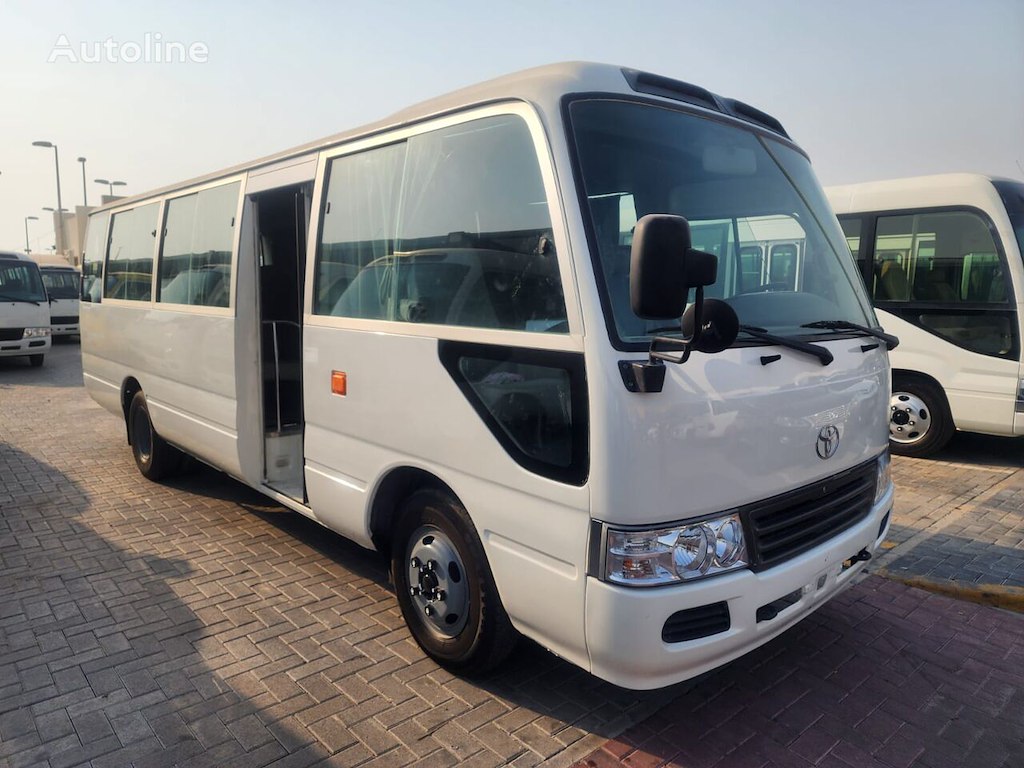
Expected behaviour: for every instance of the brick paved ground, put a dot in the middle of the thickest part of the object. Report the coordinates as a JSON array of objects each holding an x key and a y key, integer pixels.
[{"x": 196, "y": 623}]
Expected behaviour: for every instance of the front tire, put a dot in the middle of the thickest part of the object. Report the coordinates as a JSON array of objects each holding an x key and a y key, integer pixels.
[
  {"x": 35, "y": 360},
  {"x": 445, "y": 588},
  {"x": 920, "y": 423},
  {"x": 154, "y": 457}
]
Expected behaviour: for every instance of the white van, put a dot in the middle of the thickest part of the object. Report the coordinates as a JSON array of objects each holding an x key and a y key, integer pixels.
[
  {"x": 62, "y": 286},
  {"x": 24, "y": 309}
]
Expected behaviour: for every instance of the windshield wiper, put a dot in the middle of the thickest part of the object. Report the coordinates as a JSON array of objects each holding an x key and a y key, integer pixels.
[
  {"x": 784, "y": 341},
  {"x": 844, "y": 325},
  {"x": 5, "y": 297}
]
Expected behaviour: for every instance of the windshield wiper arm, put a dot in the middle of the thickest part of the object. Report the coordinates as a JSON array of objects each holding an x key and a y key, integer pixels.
[
  {"x": 891, "y": 341},
  {"x": 5, "y": 297},
  {"x": 795, "y": 344}
]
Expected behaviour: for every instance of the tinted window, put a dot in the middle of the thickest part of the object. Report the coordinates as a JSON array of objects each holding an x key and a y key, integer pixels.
[
  {"x": 358, "y": 230},
  {"x": 947, "y": 257},
  {"x": 92, "y": 259},
  {"x": 20, "y": 281},
  {"x": 470, "y": 244},
  {"x": 195, "y": 261},
  {"x": 61, "y": 283},
  {"x": 130, "y": 259}
]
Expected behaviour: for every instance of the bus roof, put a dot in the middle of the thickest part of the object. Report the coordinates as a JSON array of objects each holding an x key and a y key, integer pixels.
[
  {"x": 914, "y": 192},
  {"x": 543, "y": 85}
]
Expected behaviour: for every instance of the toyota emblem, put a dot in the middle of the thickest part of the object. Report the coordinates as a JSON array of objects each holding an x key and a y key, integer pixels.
[{"x": 828, "y": 442}]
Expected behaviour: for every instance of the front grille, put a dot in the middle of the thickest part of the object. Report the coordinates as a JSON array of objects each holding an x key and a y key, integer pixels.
[
  {"x": 694, "y": 623},
  {"x": 64, "y": 320},
  {"x": 787, "y": 525},
  {"x": 11, "y": 334}
]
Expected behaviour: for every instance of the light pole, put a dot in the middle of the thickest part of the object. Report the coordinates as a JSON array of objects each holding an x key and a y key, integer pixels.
[
  {"x": 60, "y": 204},
  {"x": 110, "y": 184},
  {"x": 85, "y": 193},
  {"x": 28, "y": 248}
]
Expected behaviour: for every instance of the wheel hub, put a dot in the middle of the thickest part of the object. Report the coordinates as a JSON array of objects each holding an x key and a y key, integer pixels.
[
  {"x": 437, "y": 582},
  {"x": 909, "y": 418}
]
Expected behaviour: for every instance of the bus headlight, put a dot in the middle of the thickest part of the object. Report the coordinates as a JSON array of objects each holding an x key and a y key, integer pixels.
[
  {"x": 884, "y": 476},
  {"x": 31, "y": 333},
  {"x": 650, "y": 558}
]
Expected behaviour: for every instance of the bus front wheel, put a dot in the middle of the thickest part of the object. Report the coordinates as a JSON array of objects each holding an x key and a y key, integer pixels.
[
  {"x": 445, "y": 588},
  {"x": 920, "y": 423},
  {"x": 35, "y": 360},
  {"x": 154, "y": 457}
]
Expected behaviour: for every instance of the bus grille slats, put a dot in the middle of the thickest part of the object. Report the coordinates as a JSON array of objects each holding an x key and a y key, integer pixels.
[
  {"x": 788, "y": 525},
  {"x": 11, "y": 334},
  {"x": 64, "y": 320}
]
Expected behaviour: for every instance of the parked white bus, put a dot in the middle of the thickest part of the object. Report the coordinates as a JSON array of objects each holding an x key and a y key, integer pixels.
[
  {"x": 62, "y": 287},
  {"x": 24, "y": 310},
  {"x": 941, "y": 256},
  {"x": 441, "y": 337}
]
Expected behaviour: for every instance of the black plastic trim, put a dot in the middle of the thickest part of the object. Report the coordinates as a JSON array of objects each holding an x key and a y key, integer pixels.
[
  {"x": 695, "y": 623},
  {"x": 578, "y": 470}
]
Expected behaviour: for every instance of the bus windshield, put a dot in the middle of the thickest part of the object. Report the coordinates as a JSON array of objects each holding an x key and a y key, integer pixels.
[
  {"x": 752, "y": 201},
  {"x": 19, "y": 281},
  {"x": 61, "y": 283}
]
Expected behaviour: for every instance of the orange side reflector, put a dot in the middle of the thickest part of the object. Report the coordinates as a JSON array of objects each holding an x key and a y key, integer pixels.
[{"x": 339, "y": 383}]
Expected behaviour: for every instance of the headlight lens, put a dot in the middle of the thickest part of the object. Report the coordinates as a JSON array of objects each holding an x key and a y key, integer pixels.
[
  {"x": 34, "y": 332},
  {"x": 884, "y": 476},
  {"x": 671, "y": 555}
]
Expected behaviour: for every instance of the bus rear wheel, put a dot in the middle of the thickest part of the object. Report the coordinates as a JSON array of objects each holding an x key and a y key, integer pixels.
[
  {"x": 920, "y": 423},
  {"x": 445, "y": 588},
  {"x": 154, "y": 457}
]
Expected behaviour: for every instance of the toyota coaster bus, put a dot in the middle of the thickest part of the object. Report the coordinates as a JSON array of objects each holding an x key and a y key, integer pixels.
[
  {"x": 507, "y": 339},
  {"x": 941, "y": 257},
  {"x": 24, "y": 309}
]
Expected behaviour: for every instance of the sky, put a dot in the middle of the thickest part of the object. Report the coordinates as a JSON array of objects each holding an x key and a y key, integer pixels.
[{"x": 870, "y": 89}]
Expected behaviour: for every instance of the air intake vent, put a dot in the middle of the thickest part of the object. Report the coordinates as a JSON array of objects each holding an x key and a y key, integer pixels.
[
  {"x": 695, "y": 623},
  {"x": 666, "y": 87},
  {"x": 790, "y": 524}
]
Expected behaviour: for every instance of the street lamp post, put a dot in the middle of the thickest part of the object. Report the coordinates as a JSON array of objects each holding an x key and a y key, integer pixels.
[
  {"x": 60, "y": 204},
  {"x": 110, "y": 184},
  {"x": 85, "y": 193},
  {"x": 28, "y": 247}
]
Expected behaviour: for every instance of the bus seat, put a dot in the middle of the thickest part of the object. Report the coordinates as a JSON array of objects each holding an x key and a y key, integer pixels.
[{"x": 892, "y": 282}]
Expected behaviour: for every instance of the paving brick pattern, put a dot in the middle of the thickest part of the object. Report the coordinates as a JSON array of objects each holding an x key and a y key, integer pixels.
[
  {"x": 198, "y": 624},
  {"x": 959, "y": 517},
  {"x": 884, "y": 676}
]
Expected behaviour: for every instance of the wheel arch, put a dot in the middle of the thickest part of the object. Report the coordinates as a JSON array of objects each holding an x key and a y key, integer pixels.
[
  {"x": 394, "y": 488},
  {"x": 129, "y": 388},
  {"x": 906, "y": 373}
]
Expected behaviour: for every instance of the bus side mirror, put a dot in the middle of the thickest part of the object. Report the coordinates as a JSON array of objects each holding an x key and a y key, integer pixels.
[{"x": 663, "y": 267}]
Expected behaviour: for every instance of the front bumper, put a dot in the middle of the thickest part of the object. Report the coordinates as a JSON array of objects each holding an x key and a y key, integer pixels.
[
  {"x": 624, "y": 625},
  {"x": 32, "y": 346}
]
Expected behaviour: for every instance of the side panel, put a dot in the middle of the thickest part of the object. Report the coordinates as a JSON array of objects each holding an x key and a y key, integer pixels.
[
  {"x": 185, "y": 364},
  {"x": 981, "y": 390},
  {"x": 403, "y": 409}
]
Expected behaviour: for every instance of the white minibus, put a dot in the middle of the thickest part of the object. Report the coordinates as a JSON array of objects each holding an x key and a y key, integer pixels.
[
  {"x": 62, "y": 286},
  {"x": 507, "y": 338},
  {"x": 941, "y": 257},
  {"x": 24, "y": 310}
]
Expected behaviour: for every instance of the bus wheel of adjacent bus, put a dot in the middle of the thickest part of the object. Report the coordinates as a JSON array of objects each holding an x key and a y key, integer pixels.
[
  {"x": 153, "y": 456},
  {"x": 919, "y": 419},
  {"x": 445, "y": 588}
]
